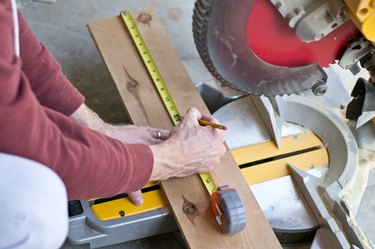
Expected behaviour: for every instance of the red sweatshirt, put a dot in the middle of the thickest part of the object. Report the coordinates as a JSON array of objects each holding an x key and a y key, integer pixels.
[{"x": 35, "y": 102}]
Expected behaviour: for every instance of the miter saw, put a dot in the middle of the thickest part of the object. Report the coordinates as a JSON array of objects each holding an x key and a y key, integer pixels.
[
  {"x": 281, "y": 49},
  {"x": 268, "y": 50}
]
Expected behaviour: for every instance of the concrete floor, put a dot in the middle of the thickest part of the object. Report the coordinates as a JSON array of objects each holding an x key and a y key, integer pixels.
[{"x": 61, "y": 26}]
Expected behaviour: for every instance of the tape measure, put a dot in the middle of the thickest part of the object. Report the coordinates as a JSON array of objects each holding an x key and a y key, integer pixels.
[
  {"x": 160, "y": 85},
  {"x": 226, "y": 203}
]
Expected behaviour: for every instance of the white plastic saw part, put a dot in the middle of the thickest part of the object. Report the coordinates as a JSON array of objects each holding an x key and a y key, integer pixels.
[{"x": 312, "y": 19}]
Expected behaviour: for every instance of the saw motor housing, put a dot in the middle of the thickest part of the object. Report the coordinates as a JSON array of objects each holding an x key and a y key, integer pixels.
[{"x": 314, "y": 19}]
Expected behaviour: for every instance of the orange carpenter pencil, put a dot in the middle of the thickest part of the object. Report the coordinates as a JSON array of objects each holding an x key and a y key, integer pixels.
[{"x": 218, "y": 126}]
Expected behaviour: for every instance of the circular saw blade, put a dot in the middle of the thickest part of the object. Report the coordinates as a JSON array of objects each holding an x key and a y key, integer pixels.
[{"x": 221, "y": 37}]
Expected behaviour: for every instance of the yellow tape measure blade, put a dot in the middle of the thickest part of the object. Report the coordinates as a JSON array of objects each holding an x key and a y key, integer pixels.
[
  {"x": 151, "y": 67},
  {"x": 159, "y": 84},
  {"x": 208, "y": 182}
]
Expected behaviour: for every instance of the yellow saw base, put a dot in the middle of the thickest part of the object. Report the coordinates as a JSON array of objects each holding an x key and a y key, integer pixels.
[{"x": 258, "y": 163}]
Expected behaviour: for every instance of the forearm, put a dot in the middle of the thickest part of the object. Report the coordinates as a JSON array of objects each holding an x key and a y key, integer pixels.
[
  {"x": 86, "y": 117},
  {"x": 128, "y": 134},
  {"x": 90, "y": 164}
]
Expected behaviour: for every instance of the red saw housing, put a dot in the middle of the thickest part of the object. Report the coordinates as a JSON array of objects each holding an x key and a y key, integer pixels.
[{"x": 273, "y": 41}]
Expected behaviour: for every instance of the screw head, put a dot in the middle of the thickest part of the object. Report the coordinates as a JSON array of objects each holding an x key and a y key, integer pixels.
[{"x": 319, "y": 89}]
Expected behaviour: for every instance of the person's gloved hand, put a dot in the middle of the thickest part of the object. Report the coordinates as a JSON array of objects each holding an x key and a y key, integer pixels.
[{"x": 190, "y": 148}]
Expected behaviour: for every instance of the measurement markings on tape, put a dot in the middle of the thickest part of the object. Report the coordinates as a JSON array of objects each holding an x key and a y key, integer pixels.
[
  {"x": 160, "y": 85},
  {"x": 226, "y": 203}
]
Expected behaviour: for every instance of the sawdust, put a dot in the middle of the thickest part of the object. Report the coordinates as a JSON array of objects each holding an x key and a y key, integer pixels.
[
  {"x": 354, "y": 193},
  {"x": 360, "y": 233},
  {"x": 366, "y": 162},
  {"x": 365, "y": 165},
  {"x": 350, "y": 220}
]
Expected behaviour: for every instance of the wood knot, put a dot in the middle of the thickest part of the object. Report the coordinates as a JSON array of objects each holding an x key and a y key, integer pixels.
[
  {"x": 132, "y": 85},
  {"x": 189, "y": 209},
  {"x": 144, "y": 18}
]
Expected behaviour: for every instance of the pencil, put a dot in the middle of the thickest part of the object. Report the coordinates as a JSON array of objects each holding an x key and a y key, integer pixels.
[{"x": 218, "y": 126}]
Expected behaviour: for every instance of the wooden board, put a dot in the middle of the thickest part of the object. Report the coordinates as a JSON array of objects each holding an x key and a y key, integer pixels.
[{"x": 145, "y": 108}]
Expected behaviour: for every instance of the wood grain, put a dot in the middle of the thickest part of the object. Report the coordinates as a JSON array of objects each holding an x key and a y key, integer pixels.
[{"x": 145, "y": 108}]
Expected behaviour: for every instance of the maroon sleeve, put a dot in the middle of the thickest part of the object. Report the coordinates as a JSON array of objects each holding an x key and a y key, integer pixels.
[
  {"x": 90, "y": 164},
  {"x": 49, "y": 84}
]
